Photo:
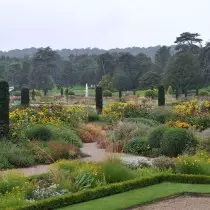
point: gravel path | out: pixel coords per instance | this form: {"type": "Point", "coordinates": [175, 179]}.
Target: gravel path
{"type": "Point", "coordinates": [180, 203]}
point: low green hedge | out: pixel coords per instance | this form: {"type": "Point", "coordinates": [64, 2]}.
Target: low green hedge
{"type": "Point", "coordinates": [99, 192]}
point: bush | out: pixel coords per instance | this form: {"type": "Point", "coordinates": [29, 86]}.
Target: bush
{"type": "Point", "coordinates": [124, 131]}
{"type": "Point", "coordinates": [39, 133]}
{"type": "Point", "coordinates": [107, 93]}
{"type": "Point", "coordinates": [190, 165]}
{"type": "Point", "coordinates": [37, 92]}
{"type": "Point", "coordinates": [151, 94]}
{"type": "Point", "coordinates": [156, 136]}
{"type": "Point", "coordinates": [170, 90]}
{"type": "Point", "coordinates": [163, 163]}
{"type": "Point", "coordinates": [161, 115]}
{"type": "Point", "coordinates": [12, 156]}
{"type": "Point", "coordinates": [115, 171]}
{"type": "Point", "coordinates": [11, 179]}
{"type": "Point", "coordinates": [137, 146]}
{"type": "Point", "coordinates": [176, 140]}
{"type": "Point", "coordinates": [200, 122]}
{"type": "Point", "coordinates": [66, 134]}
{"type": "Point", "coordinates": [92, 116]}
{"type": "Point", "coordinates": [71, 93]}
{"type": "Point", "coordinates": [62, 150]}
{"type": "Point", "coordinates": [91, 133]}
{"type": "Point", "coordinates": [203, 93]}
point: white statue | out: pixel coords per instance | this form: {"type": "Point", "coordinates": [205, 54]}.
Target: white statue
{"type": "Point", "coordinates": [86, 90]}
{"type": "Point", "coordinates": [11, 89]}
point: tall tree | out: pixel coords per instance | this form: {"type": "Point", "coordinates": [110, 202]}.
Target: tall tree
{"type": "Point", "coordinates": [183, 71]}
{"type": "Point", "coordinates": [205, 64]}
{"type": "Point", "coordinates": [188, 42]}
{"type": "Point", "coordinates": [134, 67]}
{"type": "Point", "coordinates": [107, 64]}
{"type": "Point", "coordinates": [162, 56]}
{"type": "Point", "coordinates": [43, 66]}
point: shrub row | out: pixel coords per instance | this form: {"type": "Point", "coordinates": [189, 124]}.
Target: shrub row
{"type": "Point", "coordinates": [99, 192]}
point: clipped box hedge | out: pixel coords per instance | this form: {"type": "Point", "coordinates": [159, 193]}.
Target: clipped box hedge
{"type": "Point", "coordinates": [99, 192]}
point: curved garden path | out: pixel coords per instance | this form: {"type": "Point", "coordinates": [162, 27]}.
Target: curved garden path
{"type": "Point", "coordinates": [94, 153]}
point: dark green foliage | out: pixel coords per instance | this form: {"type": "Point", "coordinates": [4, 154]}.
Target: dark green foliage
{"type": "Point", "coordinates": [176, 140]}
{"type": "Point", "coordinates": [39, 133]}
{"type": "Point", "coordinates": [4, 108]}
{"type": "Point", "coordinates": [99, 100]}
{"type": "Point", "coordinates": [137, 146]}
{"type": "Point", "coordinates": [25, 96]}
{"type": "Point", "coordinates": [156, 136]}
{"type": "Point", "coordinates": [61, 91]}
{"type": "Point", "coordinates": [107, 93]}
{"type": "Point", "coordinates": [161, 95]}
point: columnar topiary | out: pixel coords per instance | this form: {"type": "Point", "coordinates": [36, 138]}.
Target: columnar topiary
{"type": "Point", "coordinates": [99, 100]}
{"type": "Point", "coordinates": [33, 94]}
{"type": "Point", "coordinates": [4, 108]}
{"type": "Point", "coordinates": [120, 94]}
{"type": "Point", "coordinates": [161, 95]}
{"type": "Point", "coordinates": [61, 91]}
{"type": "Point", "coordinates": [25, 96]}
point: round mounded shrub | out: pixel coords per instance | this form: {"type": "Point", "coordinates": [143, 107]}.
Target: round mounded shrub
{"type": "Point", "coordinates": [156, 136]}
{"type": "Point", "coordinates": [203, 93]}
{"type": "Point", "coordinates": [137, 146]}
{"type": "Point", "coordinates": [71, 93]}
{"type": "Point", "coordinates": [39, 133]}
{"type": "Point", "coordinates": [161, 115]}
{"type": "Point", "coordinates": [107, 93]}
{"type": "Point", "coordinates": [92, 116]}
{"type": "Point", "coordinates": [176, 140]}
{"type": "Point", "coordinates": [151, 94]}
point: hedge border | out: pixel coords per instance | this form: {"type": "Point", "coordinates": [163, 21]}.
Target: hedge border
{"type": "Point", "coordinates": [99, 192]}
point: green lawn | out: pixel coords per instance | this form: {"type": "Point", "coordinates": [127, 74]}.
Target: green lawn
{"type": "Point", "coordinates": [139, 196]}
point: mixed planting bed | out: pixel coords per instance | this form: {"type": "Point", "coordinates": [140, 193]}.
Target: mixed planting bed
{"type": "Point", "coordinates": [174, 139]}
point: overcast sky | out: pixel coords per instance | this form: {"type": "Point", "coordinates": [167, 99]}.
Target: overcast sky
{"type": "Point", "coordinates": [99, 23]}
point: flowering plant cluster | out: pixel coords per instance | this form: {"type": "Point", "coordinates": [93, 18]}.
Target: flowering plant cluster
{"type": "Point", "coordinates": [193, 108]}
{"type": "Point", "coordinates": [178, 124]}
{"type": "Point", "coordinates": [54, 114]}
